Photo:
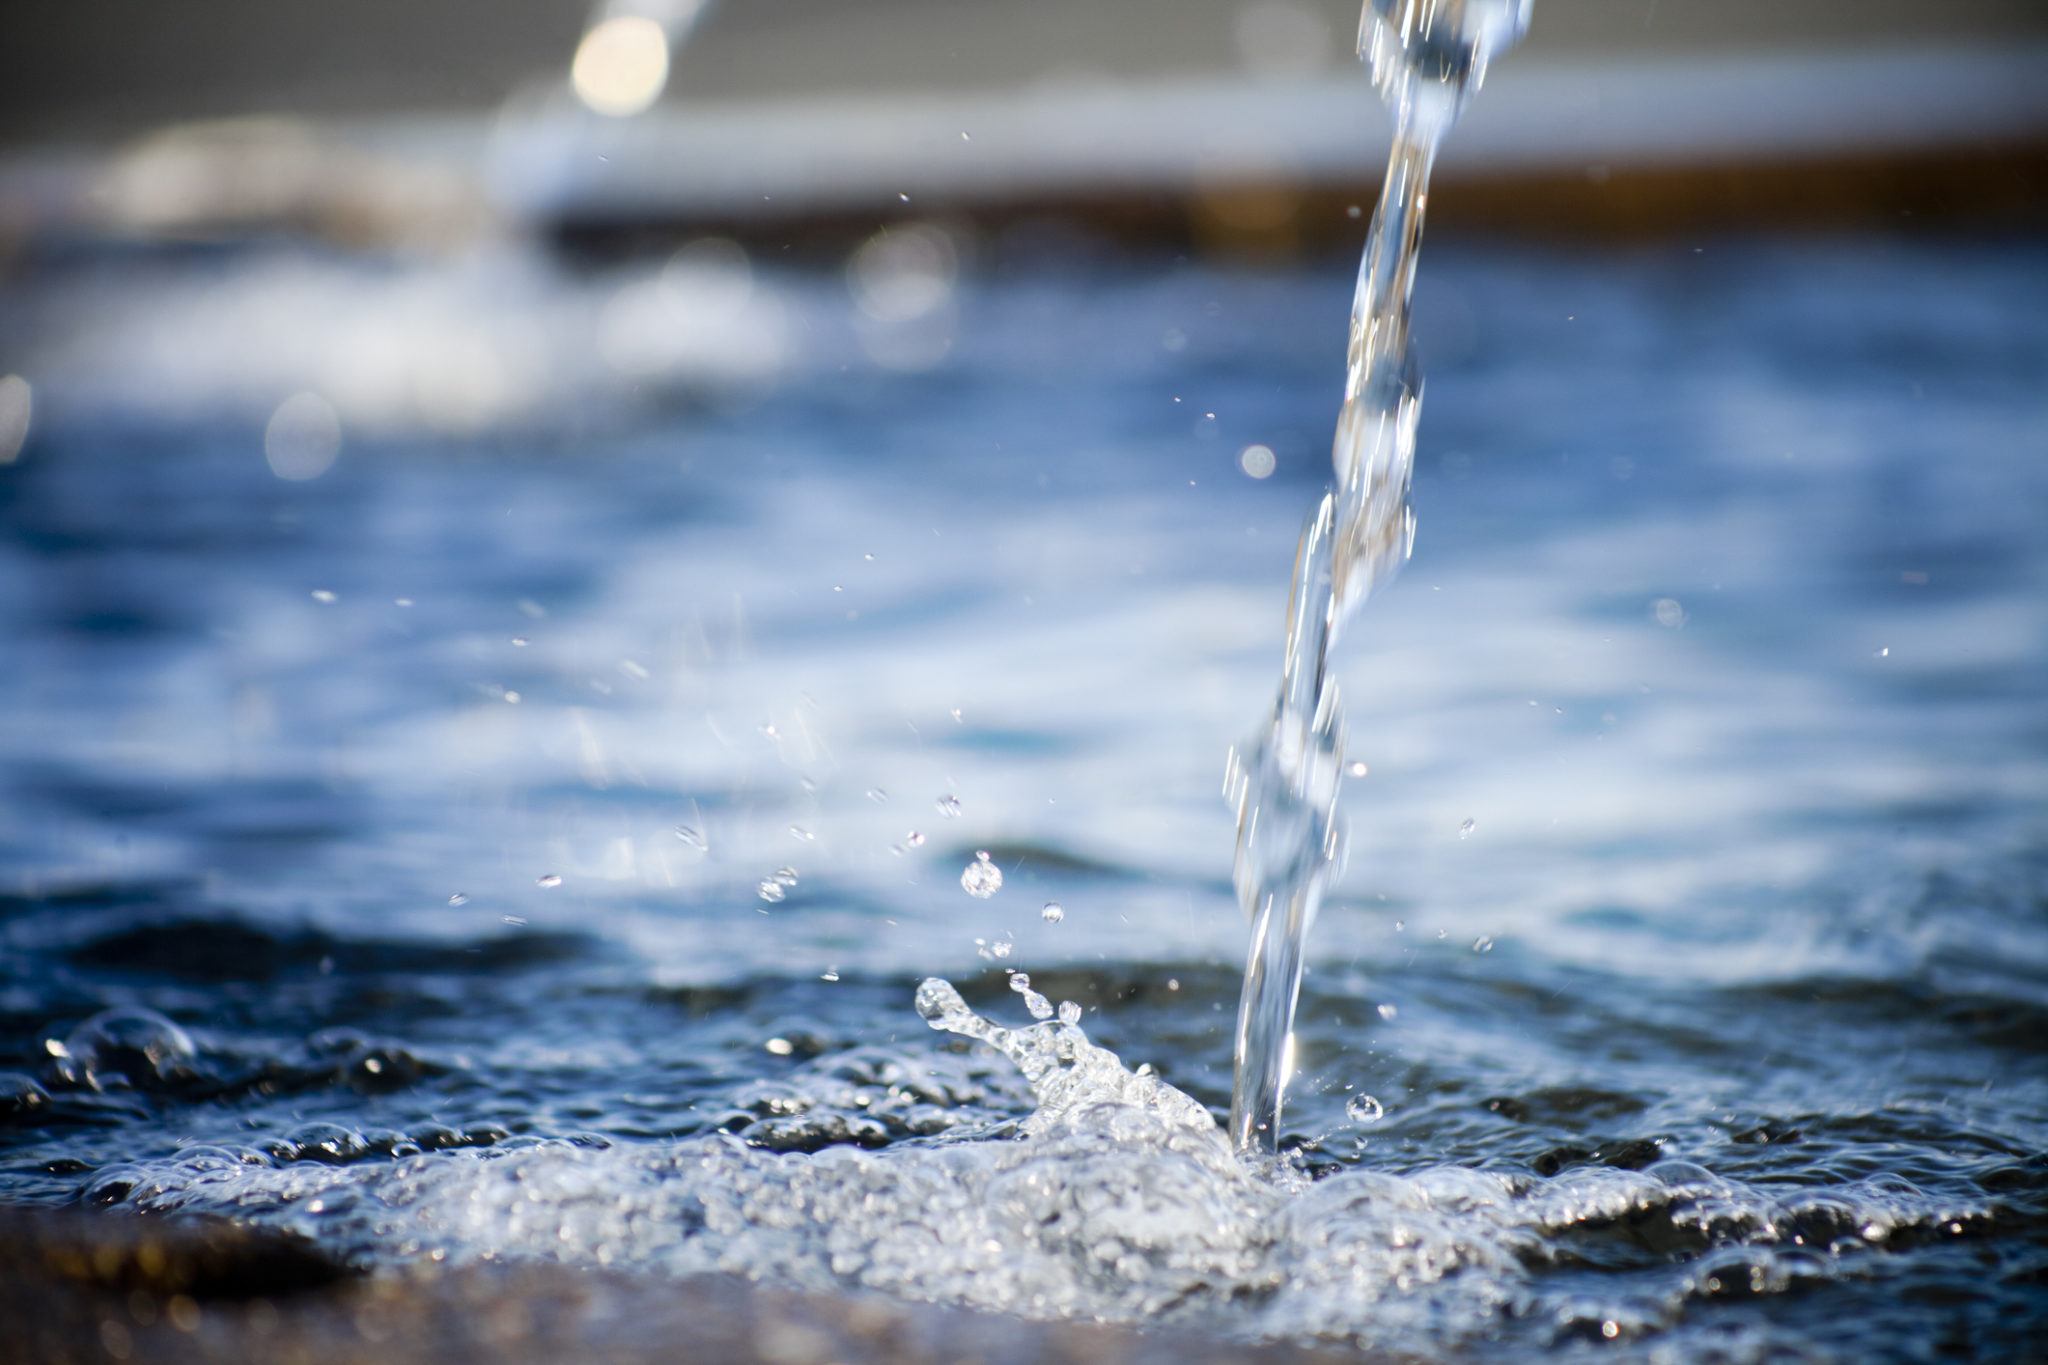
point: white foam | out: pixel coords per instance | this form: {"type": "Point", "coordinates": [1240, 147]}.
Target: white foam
{"type": "Point", "coordinates": [1117, 1198]}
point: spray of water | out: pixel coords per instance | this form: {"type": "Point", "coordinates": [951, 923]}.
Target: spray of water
{"type": "Point", "coordinates": [1427, 57]}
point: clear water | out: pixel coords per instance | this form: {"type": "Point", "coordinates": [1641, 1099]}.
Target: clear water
{"type": "Point", "coordinates": [1426, 60]}
{"type": "Point", "coordinates": [1709, 707]}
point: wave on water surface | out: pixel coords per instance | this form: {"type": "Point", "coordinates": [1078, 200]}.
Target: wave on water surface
{"type": "Point", "coordinates": [1117, 1198]}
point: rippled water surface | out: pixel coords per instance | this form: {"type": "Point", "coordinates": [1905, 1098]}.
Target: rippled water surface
{"type": "Point", "coordinates": [526, 837]}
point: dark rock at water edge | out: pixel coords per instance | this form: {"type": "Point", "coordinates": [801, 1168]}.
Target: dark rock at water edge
{"type": "Point", "coordinates": [78, 1286]}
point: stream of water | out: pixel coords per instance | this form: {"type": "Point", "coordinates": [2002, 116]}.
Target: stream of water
{"type": "Point", "coordinates": [1427, 59]}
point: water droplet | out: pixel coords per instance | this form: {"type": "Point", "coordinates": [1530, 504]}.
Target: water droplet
{"type": "Point", "coordinates": [1483, 944]}
{"type": "Point", "coordinates": [955, 714]}
{"type": "Point", "coordinates": [914, 839]}
{"type": "Point", "coordinates": [457, 898]}
{"type": "Point", "coordinates": [1399, 925]}
{"type": "Point", "coordinates": [1465, 830]}
{"type": "Point", "coordinates": [1001, 948]}
{"type": "Point", "coordinates": [519, 642]}
{"type": "Point", "coordinates": [772, 891]}
{"type": "Point", "coordinates": [1365, 1109]}
{"type": "Point", "coordinates": [829, 974]}
{"type": "Point", "coordinates": [801, 835]}
{"type": "Point", "coordinates": [1388, 1011]}
{"type": "Point", "coordinates": [780, 1047]}
{"type": "Point", "coordinates": [1053, 912]}
{"type": "Point", "coordinates": [1070, 1013]}
{"type": "Point", "coordinates": [982, 878]}
{"type": "Point", "coordinates": [690, 835]}
{"type": "Point", "coordinates": [1358, 768]}
{"type": "Point", "coordinates": [1667, 612]}
{"type": "Point", "coordinates": [550, 881]}
{"type": "Point", "coordinates": [949, 805]}
{"type": "Point", "coordinates": [877, 795]}
{"type": "Point", "coordinates": [516, 921]}
{"type": "Point", "coordinates": [511, 697]}
{"type": "Point", "coordinates": [401, 601]}
{"type": "Point", "coordinates": [1038, 1005]}
{"type": "Point", "coordinates": [1885, 653]}
{"type": "Point", "coordinates": [1256, 460]}
{"type": "Point", "coordinates": [323, 596]}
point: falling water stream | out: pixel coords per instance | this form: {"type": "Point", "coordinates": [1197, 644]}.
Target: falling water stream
{"type": "Point", "coordinates": [1427, 58]}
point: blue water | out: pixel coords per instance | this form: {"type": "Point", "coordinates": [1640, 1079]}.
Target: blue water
{"type": "Point", "coordinates": [1726, 631]}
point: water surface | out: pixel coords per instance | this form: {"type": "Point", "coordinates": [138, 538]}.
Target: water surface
{"type": "Point", "coordinates": [1694, 938]}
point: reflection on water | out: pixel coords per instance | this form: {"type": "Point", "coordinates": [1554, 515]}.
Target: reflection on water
{"type": "Point", "coordinates": [428, 800]}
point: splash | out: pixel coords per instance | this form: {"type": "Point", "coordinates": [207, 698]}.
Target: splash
{"type": "Point", "coordinates": [1426, 58]}
{"type": "Point", "coordinates": [1104, 1194]}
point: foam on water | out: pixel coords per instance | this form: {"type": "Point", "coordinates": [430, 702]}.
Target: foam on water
{"type": "Point", "coordinates": [1115, 1197]}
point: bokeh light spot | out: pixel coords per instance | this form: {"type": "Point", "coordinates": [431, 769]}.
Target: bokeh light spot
{"type": "Point", "coordinates": [303, 437]}
{"type": "Point", "coordinates": [17, 401]}
{"type": "Point", "coordinates": [621, 66]}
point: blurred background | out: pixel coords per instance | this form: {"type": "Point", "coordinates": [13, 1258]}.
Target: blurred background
{"type": "Point", "coordinates": [1240, 123]}
{"type": "Point", "coordinates": [504, 139]}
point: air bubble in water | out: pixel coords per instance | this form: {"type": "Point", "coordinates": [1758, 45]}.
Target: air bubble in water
{"type": "Point", "coordinates": [1365, 1109]}
{"type": "Point", "coordinates": [1388, 1011]}
{"type": "Point", "coordinates": [775, 886]}
{"type": "Point", "coordinates": [829, 974]}
{"type": "Point", "coordinates": [877, 795]}
{"type": "Point", "coordinates": [1053, 913]}
{"type": "Point", "coordinates": [457, 898]}
{"type": "Point", "coordinates": [914, 839]}
{"type": "Point", "coordinates": [550, 881]}
{"type": "Point", "coordinates": [690, 835]}
{"type": "Point", "coordinates": [130, 1041]}
{"type": "Point", "coordinates": [1001, 948]}
{"type": "Point", "coordinates": [324, 596]}
{"type": "Point", "coordinates": [802, 835]}
{"type": "Point", "coordinates": [949, 805]}
{"type": "Point", "coordinates": [1358, 768]}
{"type": "Point", "coordinates": [1465, 830]}
{"type": "Point", "coordinates": [982, 878]}
{"type": "Point", "coordinates": [1483, 944]}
